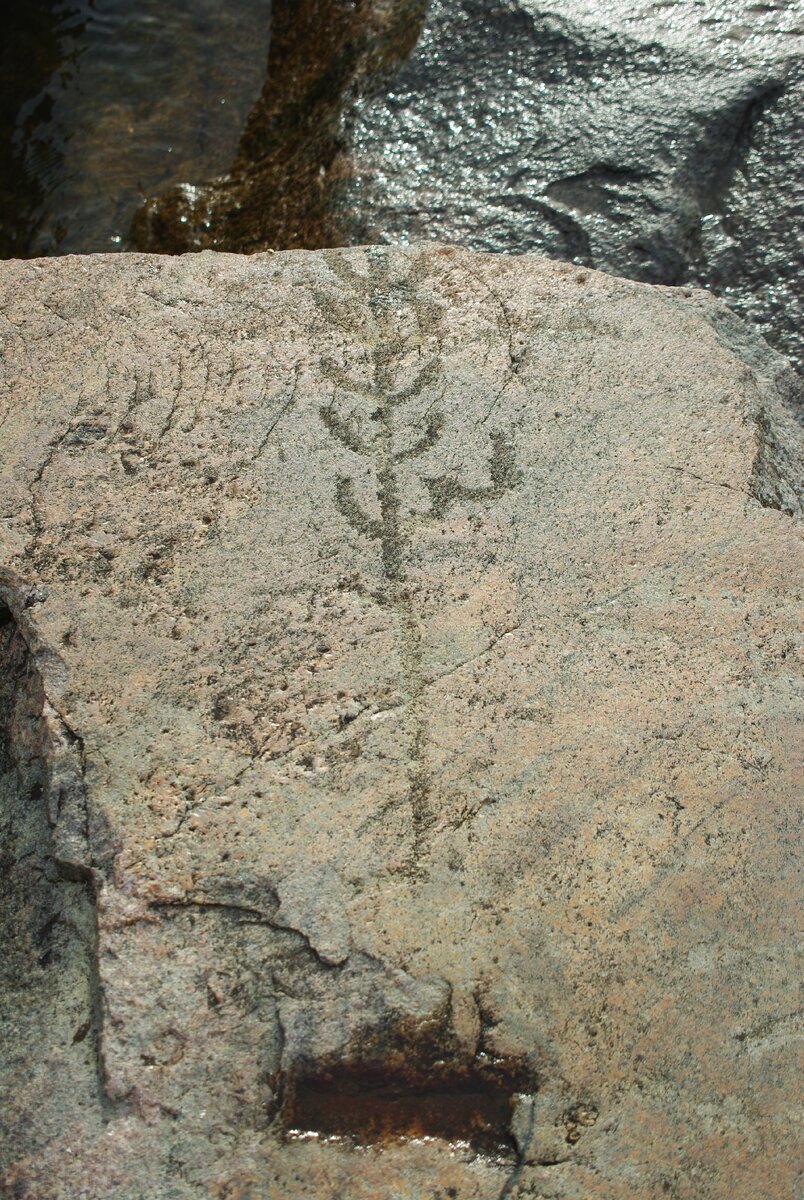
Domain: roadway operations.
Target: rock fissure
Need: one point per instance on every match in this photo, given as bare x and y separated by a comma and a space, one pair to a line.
257, 916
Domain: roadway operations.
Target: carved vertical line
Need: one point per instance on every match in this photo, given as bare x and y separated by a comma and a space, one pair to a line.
396, 594
419, 777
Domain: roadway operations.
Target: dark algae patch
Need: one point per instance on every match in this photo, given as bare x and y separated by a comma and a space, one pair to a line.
405, 1078
372, 1101
368, 1103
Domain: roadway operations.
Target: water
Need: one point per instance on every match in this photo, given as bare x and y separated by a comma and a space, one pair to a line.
105, 102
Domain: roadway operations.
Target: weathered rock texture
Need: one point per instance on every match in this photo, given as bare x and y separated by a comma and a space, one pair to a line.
398, 691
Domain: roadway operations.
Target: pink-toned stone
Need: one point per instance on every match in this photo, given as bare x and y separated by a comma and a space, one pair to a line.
415, 640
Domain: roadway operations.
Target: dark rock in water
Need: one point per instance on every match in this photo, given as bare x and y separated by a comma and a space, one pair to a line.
656, 144
282, 189
645, 151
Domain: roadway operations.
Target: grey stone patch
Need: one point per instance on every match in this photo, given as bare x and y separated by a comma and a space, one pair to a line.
314, 902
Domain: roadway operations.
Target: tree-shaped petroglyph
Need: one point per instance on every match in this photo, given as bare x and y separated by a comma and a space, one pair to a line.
400, 381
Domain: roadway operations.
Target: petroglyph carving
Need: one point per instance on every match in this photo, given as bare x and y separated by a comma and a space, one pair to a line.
395, 371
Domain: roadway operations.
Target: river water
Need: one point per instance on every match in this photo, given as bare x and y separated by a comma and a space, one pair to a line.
104, 102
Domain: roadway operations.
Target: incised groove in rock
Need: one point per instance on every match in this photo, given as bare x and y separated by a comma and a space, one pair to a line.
387, 298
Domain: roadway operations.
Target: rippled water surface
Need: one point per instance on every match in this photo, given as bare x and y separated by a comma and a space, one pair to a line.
103, 102
656, 139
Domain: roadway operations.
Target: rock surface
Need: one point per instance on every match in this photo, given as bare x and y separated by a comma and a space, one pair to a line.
399, 690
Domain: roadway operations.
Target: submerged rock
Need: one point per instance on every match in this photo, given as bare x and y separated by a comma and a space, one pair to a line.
657, 144
282, 189
398, 659
660, 143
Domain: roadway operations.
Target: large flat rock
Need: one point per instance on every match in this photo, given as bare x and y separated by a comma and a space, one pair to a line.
399, 697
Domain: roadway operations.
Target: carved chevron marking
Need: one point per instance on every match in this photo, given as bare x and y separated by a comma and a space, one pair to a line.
391, 451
